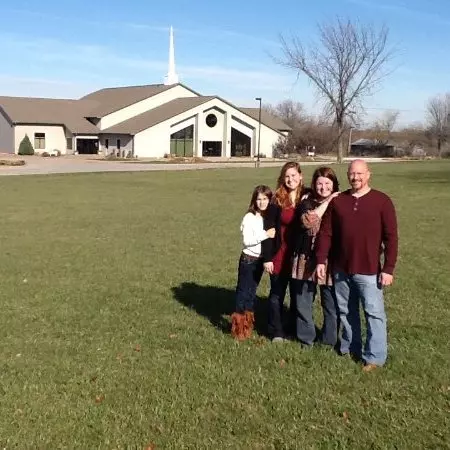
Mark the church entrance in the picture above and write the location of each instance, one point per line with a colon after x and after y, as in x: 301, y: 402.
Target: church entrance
x: 240, y: 143
x: 212, y: 148
x: 87, y: 146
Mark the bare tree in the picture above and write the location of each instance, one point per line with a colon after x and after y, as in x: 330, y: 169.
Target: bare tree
x: 289, y: 111
x: 383, y: 127
x: 306, y: 131
x: 438, y: 117
x: 413, y: 136
x: 345, y: 65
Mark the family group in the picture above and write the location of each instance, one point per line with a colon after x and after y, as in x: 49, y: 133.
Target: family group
x: 313, y: 240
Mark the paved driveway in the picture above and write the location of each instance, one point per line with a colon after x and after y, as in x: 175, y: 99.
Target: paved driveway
x: 37, y: 165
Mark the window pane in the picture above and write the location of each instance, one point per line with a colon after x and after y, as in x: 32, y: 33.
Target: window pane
x: 185, y: 133
x: 39, y: 141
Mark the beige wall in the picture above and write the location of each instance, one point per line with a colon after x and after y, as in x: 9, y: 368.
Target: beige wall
x: 183, y: 124
x: 144, y: 105
x: 215, y: 133
x: 55, y: 137
x: 268, y: 138
x: 155, y: 141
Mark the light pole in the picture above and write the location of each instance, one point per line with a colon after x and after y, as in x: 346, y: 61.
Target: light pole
x: 352, y: 115
x: 259, y: 130
x: 349, y: 146
x: 352, y: 127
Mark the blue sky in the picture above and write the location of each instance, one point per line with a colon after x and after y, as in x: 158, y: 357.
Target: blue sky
x: 66, y: 49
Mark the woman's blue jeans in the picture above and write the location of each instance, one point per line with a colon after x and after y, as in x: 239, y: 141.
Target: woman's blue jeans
x: 306, y: 329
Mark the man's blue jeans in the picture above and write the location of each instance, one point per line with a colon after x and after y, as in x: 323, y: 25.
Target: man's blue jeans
x: 350, y: 289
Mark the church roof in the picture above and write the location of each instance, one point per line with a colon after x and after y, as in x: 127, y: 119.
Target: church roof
x: 49, y: 111
x: 180, y: 105
x: 156, y: 115
x: 109, y: 100
x: 267, y: 119
x: 72, y: 113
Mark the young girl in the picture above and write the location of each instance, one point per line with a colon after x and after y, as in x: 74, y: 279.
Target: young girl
x: 250, y: 263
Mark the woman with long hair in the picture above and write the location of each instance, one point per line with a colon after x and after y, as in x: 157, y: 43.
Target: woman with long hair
x: 277, y: 253
x: 324, y: 187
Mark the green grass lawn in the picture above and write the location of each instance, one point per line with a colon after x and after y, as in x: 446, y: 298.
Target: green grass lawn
x: 115, y: 297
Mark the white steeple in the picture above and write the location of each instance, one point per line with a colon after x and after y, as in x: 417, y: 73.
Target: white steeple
x: 171, y: 77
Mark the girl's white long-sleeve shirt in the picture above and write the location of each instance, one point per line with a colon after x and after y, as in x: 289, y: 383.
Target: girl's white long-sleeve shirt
x: 253, y: 233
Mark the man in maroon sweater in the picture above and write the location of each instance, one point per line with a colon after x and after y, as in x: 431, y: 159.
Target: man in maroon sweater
x: 359, y: 226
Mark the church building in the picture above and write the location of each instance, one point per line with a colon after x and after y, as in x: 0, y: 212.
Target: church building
x: 147, y: 121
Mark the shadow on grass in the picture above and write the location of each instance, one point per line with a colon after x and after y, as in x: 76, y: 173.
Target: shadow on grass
x: 217, y: 304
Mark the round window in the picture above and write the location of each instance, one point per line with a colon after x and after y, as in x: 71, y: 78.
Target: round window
x: 211, y: 120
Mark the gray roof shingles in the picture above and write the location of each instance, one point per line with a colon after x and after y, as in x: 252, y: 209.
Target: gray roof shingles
x: 109, y: 100
x: 157, y: 115
x: 73, y: 113
x: 164, y: 112
x: 266, y: 118
x: 49, y: 111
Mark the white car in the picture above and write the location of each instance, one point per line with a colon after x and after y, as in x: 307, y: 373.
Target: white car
x: 53, y: 152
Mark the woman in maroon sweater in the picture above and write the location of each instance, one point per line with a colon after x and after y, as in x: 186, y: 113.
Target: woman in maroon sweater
x: 277, y: 253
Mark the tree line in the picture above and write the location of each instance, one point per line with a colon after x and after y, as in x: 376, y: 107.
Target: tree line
x: 346, y: 63
x: 387, y: 137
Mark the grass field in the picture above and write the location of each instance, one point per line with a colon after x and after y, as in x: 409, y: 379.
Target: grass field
x: 115, y: 296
